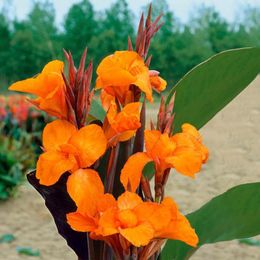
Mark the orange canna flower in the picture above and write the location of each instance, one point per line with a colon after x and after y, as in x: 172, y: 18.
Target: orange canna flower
x: 158, y: 83
x: 68, y: 149
x: 49, y: 87
x: 129, y: 217
x: 121, y: 126
x: 117, y: 72
x: 183, y: 151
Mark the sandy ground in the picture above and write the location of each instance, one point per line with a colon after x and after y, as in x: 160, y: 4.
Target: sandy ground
x: 233, y: 138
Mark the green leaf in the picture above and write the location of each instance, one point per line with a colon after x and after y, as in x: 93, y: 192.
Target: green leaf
x: 149, y: 170
x: 211, y: 85
x: 7, y: 238
x: 97, y: 111
x: 232, y: 215
x: 27, y: 251
x: 250, y: 241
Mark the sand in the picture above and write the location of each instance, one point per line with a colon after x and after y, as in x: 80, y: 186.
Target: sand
x: 233, y: 138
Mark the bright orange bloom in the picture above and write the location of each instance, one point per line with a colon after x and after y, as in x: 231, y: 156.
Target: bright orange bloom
x: 68, y: 149
x: 121, y: 126
x: 183, y: 151
x: 135, y: 221
x: 158, y: 83
x: 49, y: 87
x: 117, y: 72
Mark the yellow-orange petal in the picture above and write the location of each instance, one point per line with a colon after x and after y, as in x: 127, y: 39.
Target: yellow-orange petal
x: 106, y: 99
x: 158, y: 83
x: 132, y: 170
x: 42, y: 84
x: 127, y: 119
x: 81, y: 223
x: 108, y: 223
x: 91, y: 144
x: 51, y: 165
x: 186, y: 161
x: 113, y: 69
x: 128, y: 200
x: 179, y: 227
x: 57, y: 133
x: 140, y: 235
x: 54, y: 103
x: 190, y: 129
x: 85, y: 188
x: 106, y: 202
x: 154, y: 213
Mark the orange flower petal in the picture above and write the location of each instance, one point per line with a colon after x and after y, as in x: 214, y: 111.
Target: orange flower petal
x: 91, y: 143
x: 54, y: 103
x: 85, y: 188
x: 108, y: 223
x: 105, y: 202
x: 158, y: 83
x: 154, y: 213
x: 159, y: 146
x: 186, y: 161
x: 57, y: 133
x: 81, y: 223
x: 140, y: 235
x: 51, y: 165
x: 132, y: 171
x: 45, y: 82
x: 127, y: 119
x: 106, y: 99
x: 128, y: 200
x: 190, y: 129
x: 179, y: 227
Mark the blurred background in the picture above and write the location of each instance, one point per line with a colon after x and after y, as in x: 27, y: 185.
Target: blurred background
x: 33, y: 32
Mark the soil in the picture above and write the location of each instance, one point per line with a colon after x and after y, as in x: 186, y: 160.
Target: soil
x: 233, y: 138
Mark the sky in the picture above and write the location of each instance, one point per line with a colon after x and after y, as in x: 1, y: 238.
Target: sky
x: 182, y: 8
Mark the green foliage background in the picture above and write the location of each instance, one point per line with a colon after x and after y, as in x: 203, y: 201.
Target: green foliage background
x: 26, y: 45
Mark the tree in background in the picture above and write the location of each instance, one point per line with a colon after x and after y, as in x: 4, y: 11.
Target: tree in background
x: 30, y: 43
x: 79, y: 27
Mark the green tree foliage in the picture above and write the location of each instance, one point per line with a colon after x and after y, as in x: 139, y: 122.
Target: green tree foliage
x: 27, y: 45
x: 79, y: 28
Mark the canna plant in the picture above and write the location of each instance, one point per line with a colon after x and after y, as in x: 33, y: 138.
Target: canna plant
x: 98, y: 162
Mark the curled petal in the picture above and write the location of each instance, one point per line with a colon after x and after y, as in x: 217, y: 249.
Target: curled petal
x: 85, y: 188
x: 190, y: 129
x: 57, y: 133
x: 128, y: 200
x: 132, y: 170
x: 186, y: 161
x: 91, y: 144
x: 158, y: 83
x: 154, y: 213
x: 108, y: 223
x: 81, y: 223
x: 179, y: 227
x: 51, y: 165
x: 44, y: 83
x: 106, y: 202
x: 140, y: 235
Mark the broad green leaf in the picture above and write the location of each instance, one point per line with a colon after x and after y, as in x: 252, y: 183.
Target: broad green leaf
x: 27, y: 251
x: 234, y: 214
x: 97, y: 111
x: 7, y: 238
x: 211, y: 85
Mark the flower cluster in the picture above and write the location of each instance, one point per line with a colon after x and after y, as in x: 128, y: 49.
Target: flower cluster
x: 17, y: 107
x: 106, y: 159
